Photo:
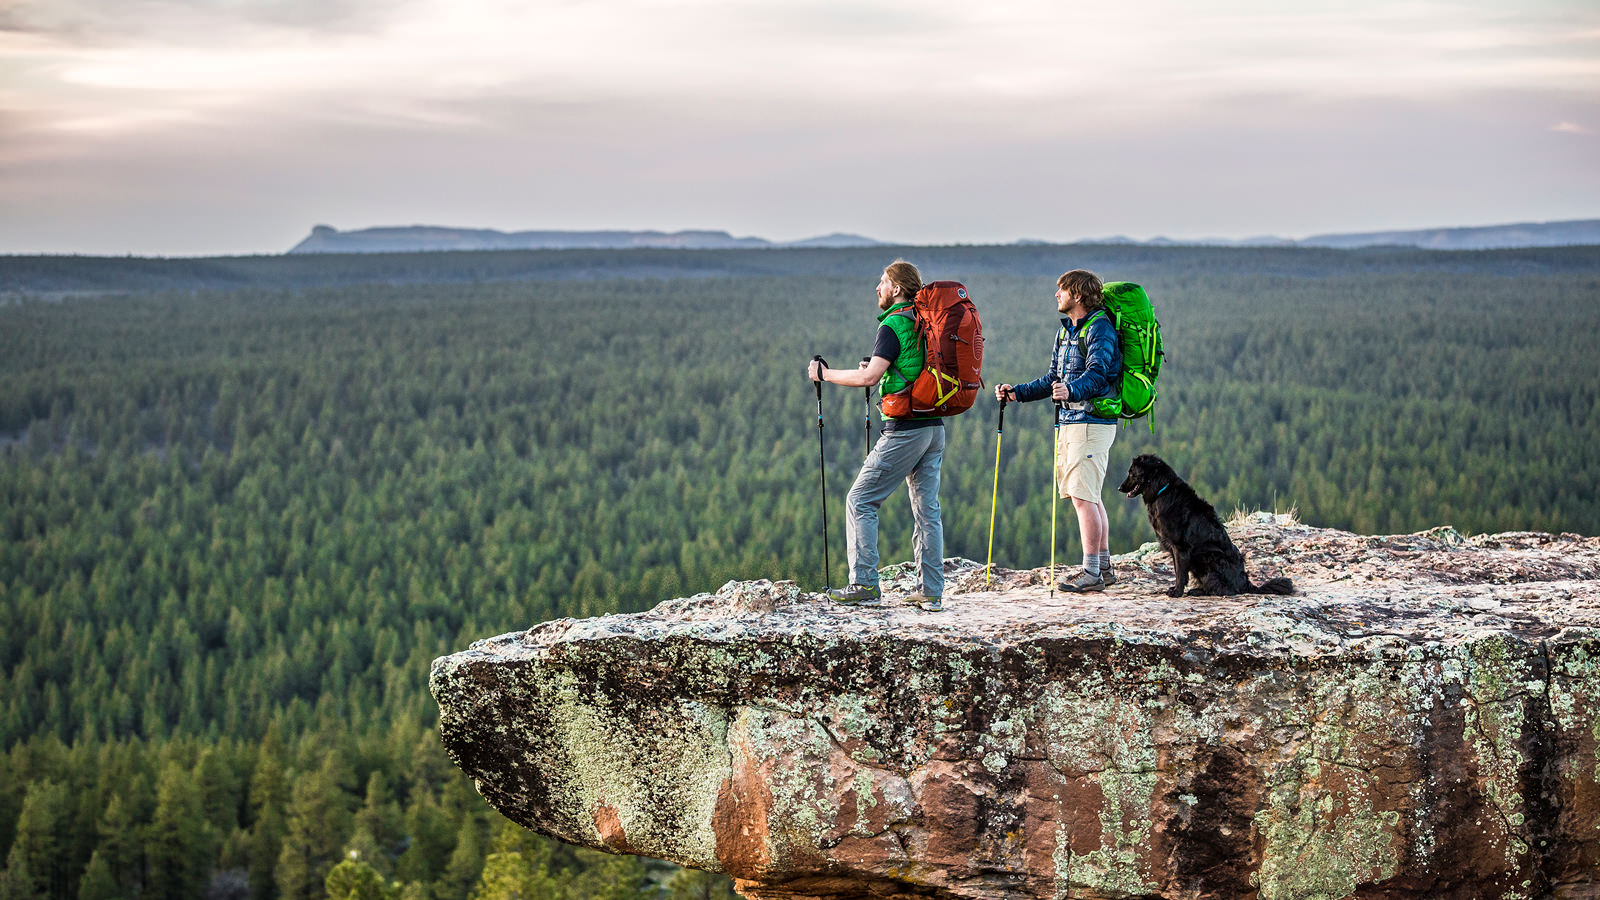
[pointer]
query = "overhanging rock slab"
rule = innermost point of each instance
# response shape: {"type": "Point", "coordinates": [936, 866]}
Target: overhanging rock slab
{"type": "Point", "coordinates": [1422, 720]}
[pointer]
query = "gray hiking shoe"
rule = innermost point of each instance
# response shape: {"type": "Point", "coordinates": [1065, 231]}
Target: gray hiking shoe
{"type": "Point", "coordinates": [855, 595]}
{"type": "Point", "coordinates": [929, 604]}
{"type": "Point", "coordinates": [1108, 575]}
{"type": "Point", "coordinates": [1082, 584]}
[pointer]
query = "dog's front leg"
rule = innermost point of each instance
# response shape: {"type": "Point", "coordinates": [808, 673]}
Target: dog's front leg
{"type": "Point", "coordinates": [1180, 572]}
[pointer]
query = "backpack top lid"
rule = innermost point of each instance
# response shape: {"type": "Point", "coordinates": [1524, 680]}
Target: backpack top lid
{"type": "Point", "coordinates": [1127, 297]}
{"type": "Point", "coordinates": [942, 294]}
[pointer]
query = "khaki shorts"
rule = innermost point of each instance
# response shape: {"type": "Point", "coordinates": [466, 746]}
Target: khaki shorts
{"type": "Point", "coordinates": [1082, 452]}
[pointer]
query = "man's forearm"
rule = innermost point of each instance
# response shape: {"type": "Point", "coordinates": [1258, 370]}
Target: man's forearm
{"type": "Point", "coordinates": [1037, 389]}
{"type": "Point", "coordinates": [865, 376]}
{"type": "Point", "coordinates": [850, 377]}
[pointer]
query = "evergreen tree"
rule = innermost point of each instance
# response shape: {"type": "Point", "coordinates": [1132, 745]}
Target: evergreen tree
{"type": "Point", "coordinates": [466, 863]}
{"type": "Point", "coordinates": [219, 788]}
{"type": "Point", "coordinates": [36, 865]}
{"type": "Point", "coordinates": [122, 845]}
{"type": "Point", "coordinates": [317, 822]}
{"type": "Point", "coordinates": [361, 846]}
{"type": "Point", "coordinates": [268, 797]}
{"type": "Point", "coordinates": [519, 867]}
{"type": "Point", "coordinates": [178, 845]}
{"type": "Point", "coordinates": [353, 879]}
{"type": "Point", "coordinates": [380, 816]}
{"type": "Point", "coordinates": [608, 877]}
{"type": "Point", "coordinates": [98, 883]}
{"type": "Point", "coordinates": [429, 829]}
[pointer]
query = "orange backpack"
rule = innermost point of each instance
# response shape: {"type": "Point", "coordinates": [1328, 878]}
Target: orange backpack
{"type": "Point", "coordinates": [952, 370]}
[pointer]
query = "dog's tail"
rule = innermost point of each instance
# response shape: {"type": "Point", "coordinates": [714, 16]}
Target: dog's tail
{"type": "Point", "coordinates": [1273, 586]}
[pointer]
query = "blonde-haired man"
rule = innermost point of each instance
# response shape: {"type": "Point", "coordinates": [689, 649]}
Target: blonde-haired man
{"type": "Point", "coordinates": [1083, 440]}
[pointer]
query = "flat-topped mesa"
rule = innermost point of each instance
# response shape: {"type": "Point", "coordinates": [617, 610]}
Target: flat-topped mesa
{"type": "Point", "coordinates": [1421, 720]}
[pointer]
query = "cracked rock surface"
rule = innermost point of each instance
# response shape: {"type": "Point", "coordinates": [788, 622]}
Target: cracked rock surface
{"type": "Point", "coordinates": [1421, 720]}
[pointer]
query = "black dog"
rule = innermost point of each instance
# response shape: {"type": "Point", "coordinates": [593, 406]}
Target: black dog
{"type": "Point", "coordinates": [1189, 529]}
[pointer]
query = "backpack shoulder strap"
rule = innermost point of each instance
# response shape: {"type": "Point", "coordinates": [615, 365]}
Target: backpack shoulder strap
{"type": "Point", "coordinates": [1083, 333]}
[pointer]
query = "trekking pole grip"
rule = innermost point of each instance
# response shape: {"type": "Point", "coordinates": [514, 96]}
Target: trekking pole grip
{"type": "Point", "coordinates": [818, 358]}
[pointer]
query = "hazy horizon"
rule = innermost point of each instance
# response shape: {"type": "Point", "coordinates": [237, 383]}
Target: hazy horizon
{"type": "Point", "coordinates": [198, 127]}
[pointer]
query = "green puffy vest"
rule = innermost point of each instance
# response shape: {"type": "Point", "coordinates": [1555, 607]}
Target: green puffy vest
{"type": "Point", "coordinates": [905, 368]}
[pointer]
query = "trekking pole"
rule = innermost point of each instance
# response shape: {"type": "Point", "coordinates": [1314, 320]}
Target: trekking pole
{"type": "Point", "coordinates": [1055, 460]}
{"type": "Point", "coordinates": [994, 500]}
{"type": "Point", "coordinates": [822, 459]}
{"type": "Point", "coordinates": [866, 405]}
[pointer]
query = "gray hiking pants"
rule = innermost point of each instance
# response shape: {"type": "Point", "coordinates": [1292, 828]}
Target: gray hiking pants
{"type": "Point", "coordinates": [911, 456]}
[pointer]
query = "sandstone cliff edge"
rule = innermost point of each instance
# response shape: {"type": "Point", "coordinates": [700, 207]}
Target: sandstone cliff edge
{"type": "Point", "coordinates": [1421, 720]}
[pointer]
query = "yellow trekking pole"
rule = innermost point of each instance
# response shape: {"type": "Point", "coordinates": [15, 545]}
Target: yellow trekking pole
{"type": "Point", "coordinates": [1055, 461]}
{"type": "Point", "coordinates": [994, 500]}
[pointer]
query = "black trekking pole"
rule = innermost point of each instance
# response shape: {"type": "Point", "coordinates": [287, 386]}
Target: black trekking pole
{"type": "Point", "coordinates": [822, 459]}
{"type": "Point", "coordinates": [866, 405]}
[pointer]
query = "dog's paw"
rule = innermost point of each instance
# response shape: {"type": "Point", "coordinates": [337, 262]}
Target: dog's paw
{"type": "Point", "coordinates": [1175, 592]}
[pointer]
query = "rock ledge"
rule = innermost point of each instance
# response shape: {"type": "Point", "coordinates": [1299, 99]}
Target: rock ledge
{"type": "Point", "coordinates": [1422, 720]}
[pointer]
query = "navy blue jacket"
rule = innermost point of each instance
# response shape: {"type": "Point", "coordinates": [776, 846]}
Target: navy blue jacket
{"type": "Point", "coordinates": [1098, 376]}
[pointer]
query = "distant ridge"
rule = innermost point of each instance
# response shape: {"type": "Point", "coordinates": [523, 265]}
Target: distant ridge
{"type": "Point", "coordinates": [1576, 232]}
{"type": "Point", "coordinates": [411, 238]}
{"type": "Point", "coordinates": [1488, 237]}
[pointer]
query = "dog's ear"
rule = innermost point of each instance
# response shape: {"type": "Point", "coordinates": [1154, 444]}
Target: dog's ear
{"type": "Point", "coordinates": [1156, 473]}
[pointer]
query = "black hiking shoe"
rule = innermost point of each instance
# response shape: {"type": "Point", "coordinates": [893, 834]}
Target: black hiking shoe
{"type": "Point", "coordinates": [855, 595]}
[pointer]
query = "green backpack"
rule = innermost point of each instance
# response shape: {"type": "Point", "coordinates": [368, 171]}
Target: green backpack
{"type": "Point", "coordinates": [1140, 334]}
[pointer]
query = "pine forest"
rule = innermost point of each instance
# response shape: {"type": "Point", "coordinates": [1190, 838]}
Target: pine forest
{"type": "Point", "coordinates": [244, 503]}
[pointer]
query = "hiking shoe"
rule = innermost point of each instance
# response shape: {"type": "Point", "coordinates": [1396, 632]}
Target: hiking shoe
{"type": "Point", "coordinates": [855, 595]}
{"type": "Point", "coordinates": [1083, 584]}
{"type": "Point", "coordinates": [1108, 575]}
{"type": "Point", "coordinates": [929, 604]}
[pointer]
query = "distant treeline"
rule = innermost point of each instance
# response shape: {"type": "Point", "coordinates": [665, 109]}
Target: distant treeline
{"type": "Point", "coordinates": [236, 526]}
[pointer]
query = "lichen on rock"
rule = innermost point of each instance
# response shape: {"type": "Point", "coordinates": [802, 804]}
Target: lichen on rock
{"type": "Point", "coordinates": [1421, 720]}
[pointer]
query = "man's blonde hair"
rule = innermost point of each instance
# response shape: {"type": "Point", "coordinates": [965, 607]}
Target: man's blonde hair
{"type": "Point", "coordinates": [906, 276]}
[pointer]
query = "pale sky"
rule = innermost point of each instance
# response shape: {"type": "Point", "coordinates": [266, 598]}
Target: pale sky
{"type": "Point", "coordinates": [183, 127]}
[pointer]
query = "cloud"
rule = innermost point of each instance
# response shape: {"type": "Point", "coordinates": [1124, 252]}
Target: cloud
{"type": "Point", "coordinates": [667, 113]}
{"type": "Point", "coordinates": [1156, 54]}
{"type": "Point", "coordinates": [1570, 128]}
{"type": "Point", "coordinates": [90, 23]}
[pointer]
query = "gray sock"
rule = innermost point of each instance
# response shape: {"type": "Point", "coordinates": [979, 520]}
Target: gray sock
{"type": "Point", "coordinates": [1091, 563]}
{"type": "Point", "coordinates": [1105, 560]}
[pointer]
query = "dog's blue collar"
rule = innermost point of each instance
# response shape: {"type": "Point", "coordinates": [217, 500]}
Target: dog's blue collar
{"type": "Point", "coordinates": [1164, 487]}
